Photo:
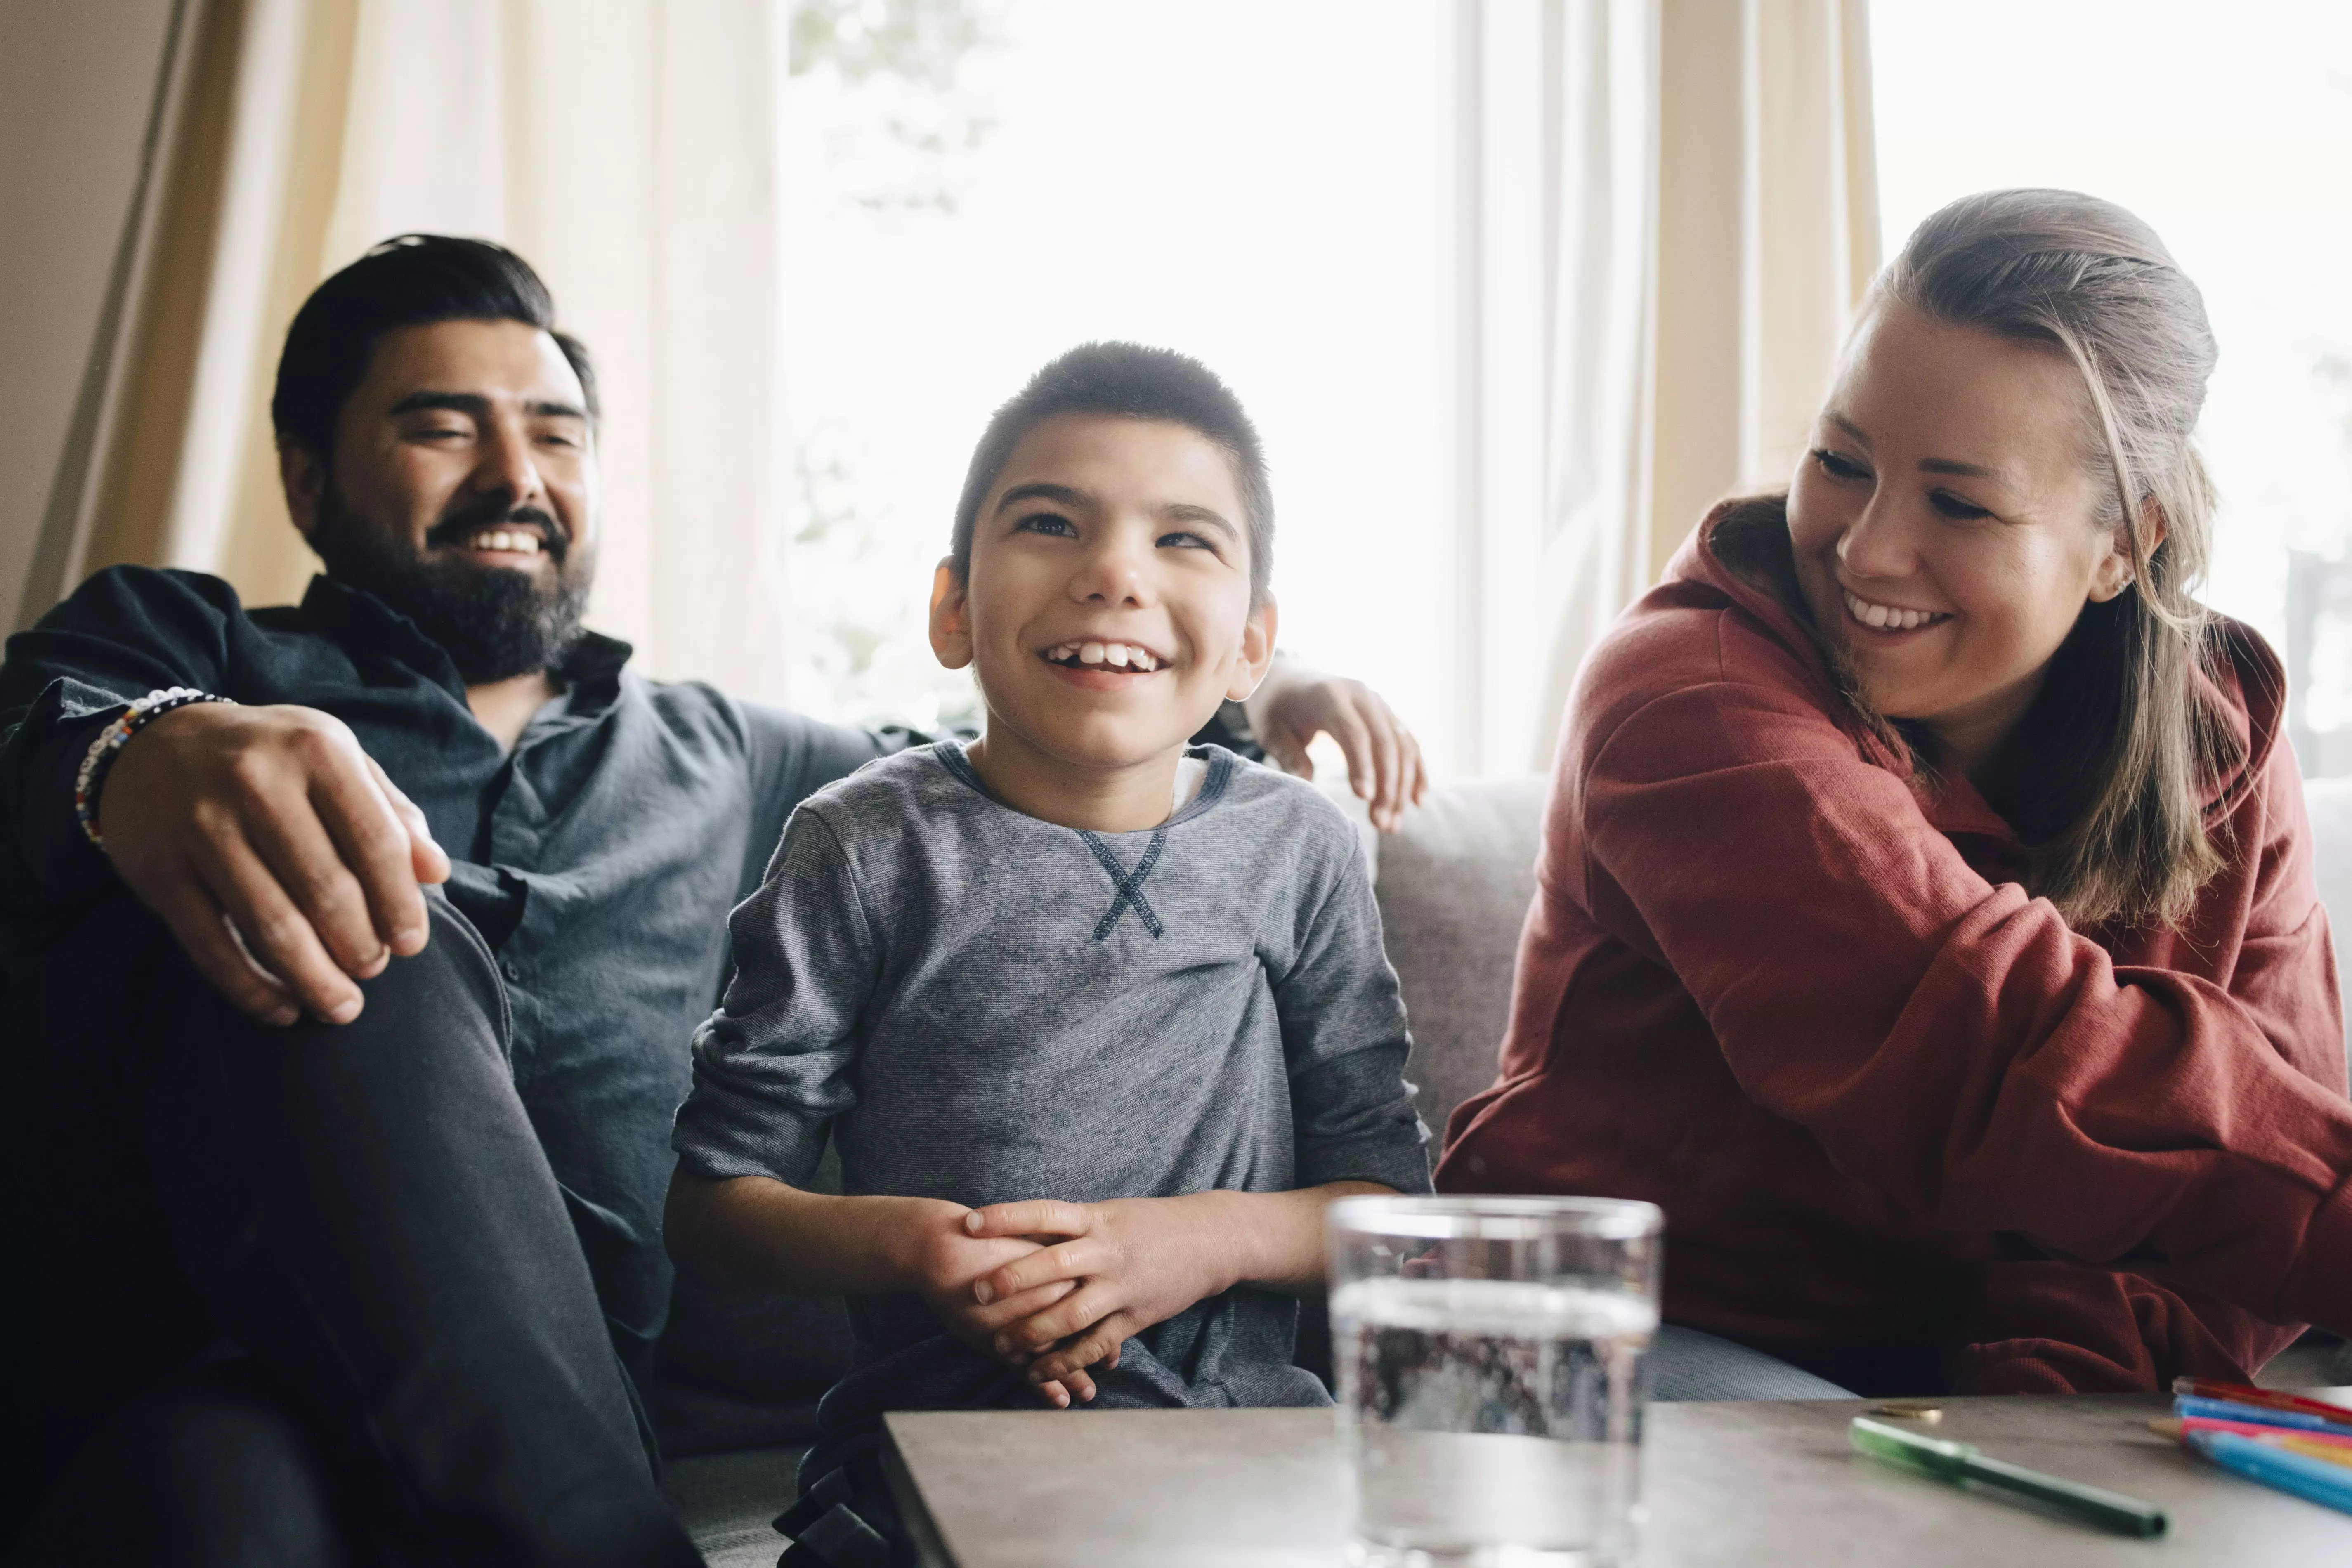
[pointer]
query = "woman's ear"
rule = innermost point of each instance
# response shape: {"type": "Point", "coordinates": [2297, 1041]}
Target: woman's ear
{"type": "Point", "coordinates": [2116, 571]}
{"type": "Point", "coordinates": [1258, 651]}
{"type": "Point", "coordinates": [951, 616]}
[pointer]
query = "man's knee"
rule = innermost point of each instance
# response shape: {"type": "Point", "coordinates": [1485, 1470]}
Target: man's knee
{"type": "Point", "coordinates": [122, 1046]}
{"type": "Point", "coordinates": [447, 994]}
{"type": "Point", "coordinates": [208, 1468]}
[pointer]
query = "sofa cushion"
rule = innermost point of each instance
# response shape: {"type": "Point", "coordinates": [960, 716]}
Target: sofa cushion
{"type": "Point", "coordinates": [1453, 888]}
{"type": "Point", "coordinates": [729, 1503]}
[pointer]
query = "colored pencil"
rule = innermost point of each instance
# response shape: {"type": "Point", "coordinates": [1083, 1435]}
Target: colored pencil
{"type": "Point", "coordinates": [2315, 1447]}
{"type": "Point", "coordinates": [2240, 1394]}
{"type": "Point", "coordinates": [2176, 1426]}
{"type": "Point", "coordinates": [2257, 1415]}
{"type": "Point", "coordinates": [2314, 1480]}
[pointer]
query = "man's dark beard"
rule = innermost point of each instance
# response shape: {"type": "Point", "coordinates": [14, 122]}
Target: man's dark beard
{"type": "Point", "coordinates": [493, 622]}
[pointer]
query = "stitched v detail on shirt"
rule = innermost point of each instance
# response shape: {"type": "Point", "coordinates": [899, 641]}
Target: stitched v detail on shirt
{"type": "Point", "coordinates": [1130, 883]}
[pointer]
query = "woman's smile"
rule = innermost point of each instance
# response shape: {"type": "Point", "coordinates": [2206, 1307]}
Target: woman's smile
{"type": "Point", "coordinates": [1888, 620]}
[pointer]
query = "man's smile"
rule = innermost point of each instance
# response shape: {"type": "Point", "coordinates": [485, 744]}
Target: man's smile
{"type": "Point", "coordinates": [504, 542]}
{"type": "Point", "coordinates": [516, 539]}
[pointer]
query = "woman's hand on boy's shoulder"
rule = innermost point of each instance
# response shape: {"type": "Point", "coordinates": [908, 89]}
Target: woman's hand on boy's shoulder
{"type": "Point", "coordinates": [1297, 703]}
{"type": "Point", "coordinates": [943, 1261]}
{"type": "Point", "coordinates": [1118, 1268]}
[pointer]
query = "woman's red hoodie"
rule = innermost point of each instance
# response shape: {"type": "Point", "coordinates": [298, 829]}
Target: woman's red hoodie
{"type": "Point", "coordinates": [1888, 1101]}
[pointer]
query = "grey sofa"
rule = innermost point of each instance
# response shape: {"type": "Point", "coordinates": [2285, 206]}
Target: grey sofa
{"type": "Point", "coordinates": [741, 1375]}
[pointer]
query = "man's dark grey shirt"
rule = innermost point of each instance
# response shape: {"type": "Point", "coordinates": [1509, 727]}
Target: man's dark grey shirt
{"type": "Point", "coordinates": [599, 858]}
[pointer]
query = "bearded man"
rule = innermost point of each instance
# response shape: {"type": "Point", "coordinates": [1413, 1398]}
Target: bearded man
{"type": "Point", "coordinates": [351, 953]}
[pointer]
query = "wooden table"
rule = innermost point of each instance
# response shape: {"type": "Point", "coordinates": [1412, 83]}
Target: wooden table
{"type": "Point", "coordinates": [1760, 1483]}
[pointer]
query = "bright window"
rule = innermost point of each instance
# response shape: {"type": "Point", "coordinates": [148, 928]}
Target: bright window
{"type": "Point", "coordinates": [977, 185]}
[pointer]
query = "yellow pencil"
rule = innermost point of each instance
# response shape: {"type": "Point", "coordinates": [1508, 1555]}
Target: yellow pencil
{"type": "Point", "coordinates": [2334, 1453]}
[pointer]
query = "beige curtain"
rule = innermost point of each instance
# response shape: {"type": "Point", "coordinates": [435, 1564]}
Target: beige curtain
{"type": "Point", "coordinates": [626, 147]}
{"type": "Point", "coordinates": [1669, 213]}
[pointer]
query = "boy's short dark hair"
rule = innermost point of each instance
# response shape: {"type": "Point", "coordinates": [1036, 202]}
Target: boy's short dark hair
{"type": "Point", "coordinates": [1132, 381]}
{"type": "Point", "coordinates": [410, 280]}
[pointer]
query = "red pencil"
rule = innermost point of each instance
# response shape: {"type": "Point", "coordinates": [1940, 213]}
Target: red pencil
{"type": "Point", "coordinates": [2271, 1398]}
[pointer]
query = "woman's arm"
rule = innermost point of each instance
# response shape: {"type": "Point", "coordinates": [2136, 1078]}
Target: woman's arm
{"type": "Point", "coordinates": [2049, 1326]}
{"type": "Point", "coordinates": [1951, 1043]}
{"type": "Point", "coordinates": [1297, 703]}
{"type": "Point", "coordinates": [2045, 1326]}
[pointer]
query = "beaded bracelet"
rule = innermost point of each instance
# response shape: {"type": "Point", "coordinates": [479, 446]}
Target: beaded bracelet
{"type": "Point", "coordinates": [99, 760]}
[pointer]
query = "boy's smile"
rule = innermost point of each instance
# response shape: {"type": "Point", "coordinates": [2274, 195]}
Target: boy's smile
{"type": "Point", "coordinates": [1104, 665]}
{"type": "Point", "coordinates": [1107, 614]}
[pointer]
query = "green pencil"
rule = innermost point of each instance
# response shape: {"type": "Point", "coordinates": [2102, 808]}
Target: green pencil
{"type": "Point", "coordinates": [1961, 1464]}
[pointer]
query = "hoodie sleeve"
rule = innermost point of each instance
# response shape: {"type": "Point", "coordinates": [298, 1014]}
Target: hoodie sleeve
{"type": "Point", "coordinates": [1952, 1043]}
{"type": "Point", "coordinates": [2044, 1326]}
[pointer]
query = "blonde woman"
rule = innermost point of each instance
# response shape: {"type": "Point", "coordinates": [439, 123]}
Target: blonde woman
{"type": "Point", "coordinates": [1927, 916]}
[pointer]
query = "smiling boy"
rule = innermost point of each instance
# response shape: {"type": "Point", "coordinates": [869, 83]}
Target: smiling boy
{"type": "Point", "coordinates": [1107, 1022]}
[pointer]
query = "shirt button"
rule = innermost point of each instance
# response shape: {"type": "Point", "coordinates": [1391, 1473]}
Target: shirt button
{"type": "Point", "coordinates": [511, 970]}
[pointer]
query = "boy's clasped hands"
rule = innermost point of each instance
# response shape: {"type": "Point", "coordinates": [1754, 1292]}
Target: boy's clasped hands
{"type": "Point", "coordinates": [1057, 1287]}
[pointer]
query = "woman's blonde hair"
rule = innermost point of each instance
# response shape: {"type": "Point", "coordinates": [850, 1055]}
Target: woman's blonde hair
{"type": "Point", "coordinates": [2106, 778]}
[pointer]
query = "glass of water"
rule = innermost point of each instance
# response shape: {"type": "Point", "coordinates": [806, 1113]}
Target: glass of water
{"type": "Point", "coordinates": [1492, 1356]}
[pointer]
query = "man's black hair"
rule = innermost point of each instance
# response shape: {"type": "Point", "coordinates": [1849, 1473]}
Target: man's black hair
{"type": "Point", "coordinates": [410, 280]}
{"type": "Point", "coordinates": [1132, 381]}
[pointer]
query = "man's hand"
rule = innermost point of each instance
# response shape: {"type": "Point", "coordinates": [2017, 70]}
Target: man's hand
{"type": "Point", "coordinates": [1134, 1262]}
{"type": "Point", "coordinates": [946, 1260]}
{"type": "Point", "coordinates": [280, 855]}
{"type": "Point", "coordinates": [1296, 702]}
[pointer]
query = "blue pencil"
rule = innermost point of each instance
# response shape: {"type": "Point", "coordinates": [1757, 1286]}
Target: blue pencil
{"type": "Point", "coordinates": [2315, 1480]}
{"type": "Point", "coordinates": [2259, 1414]}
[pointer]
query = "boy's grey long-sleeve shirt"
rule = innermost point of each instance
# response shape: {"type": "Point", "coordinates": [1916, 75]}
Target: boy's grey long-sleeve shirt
{"type": "Point", "coordinates": [983, 1006]}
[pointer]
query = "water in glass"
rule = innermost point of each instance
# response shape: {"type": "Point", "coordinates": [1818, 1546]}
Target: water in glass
{"type": "Point", "coordinates": [1492, 1423]}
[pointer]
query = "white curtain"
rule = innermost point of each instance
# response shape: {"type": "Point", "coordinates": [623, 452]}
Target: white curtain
{"type": "Point", "coordinates": [1670, 212]}
{"type": "Point", "coordinates": [628, 147]}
